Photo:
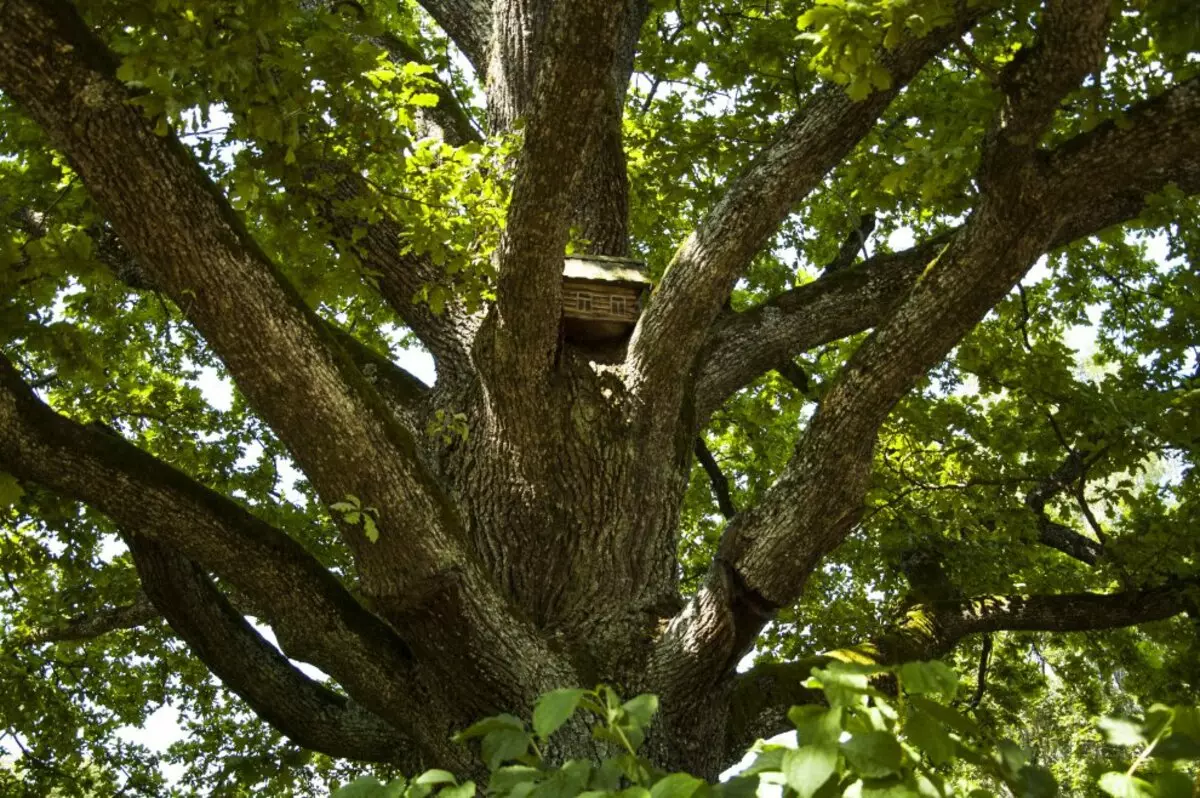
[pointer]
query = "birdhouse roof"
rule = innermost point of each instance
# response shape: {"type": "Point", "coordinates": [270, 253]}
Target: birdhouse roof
{"type": "Point", "coordinates": [606, 269]}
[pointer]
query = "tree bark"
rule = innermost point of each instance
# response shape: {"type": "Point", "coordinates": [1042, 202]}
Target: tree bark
{"type": "Point", "coordinates": [531, 541]}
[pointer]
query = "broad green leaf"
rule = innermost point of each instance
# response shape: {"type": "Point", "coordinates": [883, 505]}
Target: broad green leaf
{"type": "Point", "coordinates": [553, 709]}
{"type": "Point", "coordinates": [808, 767]}
{"type": "Point", "coordinates": [875, 754]}
{"type": "Point", "coordinates": [1121, 785]}
{"type": "Point", "coordinates": [676, 785]}
{"type": "Point", "coordinates": [929, 677]}
{"type": "Point", "coordinates": [435, 777]}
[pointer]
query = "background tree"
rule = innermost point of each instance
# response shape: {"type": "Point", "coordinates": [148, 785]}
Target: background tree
{"type": "Point", "coordinates": [836, 423]}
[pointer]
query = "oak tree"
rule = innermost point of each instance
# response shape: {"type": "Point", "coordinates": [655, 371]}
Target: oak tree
{"type": "Point", "coordinates": [849, 416]}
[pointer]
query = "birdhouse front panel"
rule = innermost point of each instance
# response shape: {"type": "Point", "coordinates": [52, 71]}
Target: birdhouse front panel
{"type": "Point", "coordinates": [600, 301]}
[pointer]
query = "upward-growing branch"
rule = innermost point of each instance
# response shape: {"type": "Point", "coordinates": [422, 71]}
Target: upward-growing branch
{"type": "Point", "coordinates": [768, 551]}
{"type": "Point", "coordinates": [704, 268]}
{"type": "Point", "coordinates": [419, 572]}
{"type": "Point", "coordinates": [570, 83]}
{"type": "Point", "coordinates": [194, 248]}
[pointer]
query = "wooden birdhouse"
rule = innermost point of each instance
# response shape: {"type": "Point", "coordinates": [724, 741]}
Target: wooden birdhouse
{"type": "Point", "coordinates": [602, 297]}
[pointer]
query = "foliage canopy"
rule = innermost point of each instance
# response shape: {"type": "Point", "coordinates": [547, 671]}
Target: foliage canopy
{"type": "Point", "coordinates": [917, 380]}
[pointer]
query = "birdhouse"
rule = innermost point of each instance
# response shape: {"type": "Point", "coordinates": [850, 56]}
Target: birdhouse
{"type": "Point", "coordinates": [602, 297]}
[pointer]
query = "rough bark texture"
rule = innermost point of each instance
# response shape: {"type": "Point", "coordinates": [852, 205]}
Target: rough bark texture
{"type": "Point", "coordinates": [540, 551]}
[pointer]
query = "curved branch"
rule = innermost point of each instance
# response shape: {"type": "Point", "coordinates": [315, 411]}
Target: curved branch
{"type": "Point", "coordinates": [468, 23]}
{"type": "Point", "coordinates": [744, 345]}
{"type": "Point", "coordinates": [768, 551]}
{"type": "Point", "coordinates": [929, 631]}
{"type": "Point", "coordinates": [317, 620]}
{"type": "Point", "coordinates": [189, 240]}
{"type": "Point", "coordinates": [309, 713]}
{"type": "Point", "coordinates": [401, 275]}
{"type": "Point", "coordinates": [704, 268]}
{"type": "Point", "coordinates": [1152, 144]}
{"type": "Point", "coordinates": [763, 694]}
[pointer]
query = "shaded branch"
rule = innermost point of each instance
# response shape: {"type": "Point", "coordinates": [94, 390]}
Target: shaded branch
{"type": "Point", "coordinates": [718, 480]}
{"type": "Point", "coordinates": [767, 552]}
{"type": "Point", "coordinates": [447, 120]}
{"type": "Point", "coordinates": [985, 655]}
{"type": "Point", "coordinates": [1071, 41]}
{"type": "Point", "coordinates": [314, 616]}
{"type": "Point", "coordinates": [1051, 533]}
{"type": "Point", "coordinates": [929, 631]}
{"type": "Point", "coordinates": [380, 245]}
{"type": "Point", "coordinates": [310, 714]}
{"type": "Point", "coordinates": [744, 345]}
{"type": "Point", "coordinates": [854, 244]}
{"type": "Point", "coordinates": [89, 626]}
{"type": "Point", "coordinates": [468, 23]}
{"type": "Point", "coordinates": [761, 699]}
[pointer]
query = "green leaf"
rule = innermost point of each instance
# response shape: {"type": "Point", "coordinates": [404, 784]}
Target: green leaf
{"type": "Point", "coordinates": [553, 709]}
{"type": "Point", "coordinates": [488, 725]}
{"type": "Point", "coordinates": [10, 490]}
{"type": "Point", "coordinates": [1122, 731]}
{"type": "Point", "coordinates": [423, 99]}
{"type": "Point", "coordinates": [370, 529]}
{"type": "Point", "coordinates": [888, 788]}
{"type": "Point", "coordinates": [874, 755]}
{"type": "Point", "coordinates": [952, 718]}
{"type": "Point", "coordinates": [1173, 785]}
{"type": "Point", "coordinates": [676, 785]}
{"type": "Point", "coordinates": [1177, 746]}
{"type": "Point", "coordinates": [808, 767]}
{"type": "Point", "coordinates": [1036, 782]}
{"type": "Point", "coordinates": [435, 777]}
{"type": "Point", "coordinates": [816, 724]}
{"type": "Point", "coordinates": [504, 745]}
{"type": "Point", "coordinates": [641, 709]}
{"type": "Point", "coordinates": [464, 790]}
{"type": "Point", "coordinates": [1121, 785]}
{"type": "Point", "coordinates": [930, 735]}
{"type": "Point", "coordinates": [926, 678]}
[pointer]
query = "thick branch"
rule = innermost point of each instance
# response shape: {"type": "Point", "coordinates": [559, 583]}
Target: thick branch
{"type": "Point", "coordinates": [1155, 142]}
{"type": "Point", "coordinates": [448, 120]}
{"type": "Point", "coordinates": [185, 235]}
{"type": "Point", "coordinates": [468, 23]}
{"type": "Point", "coordinates": [745, 345]}
{"type": "Point", "coordinates": [601, 214]}
{"type": "Point", "coordinates": [400, 275]}
{"type": "Point", "coordinates": [768, 551]}
{"type": "Point", "coordinates": [704, 268]}
{"type": "Point", "coordinates": [309, 713]}
{"type": "Point", "coordinates": [763, 694]}
{"type": "Point", "coordinates": [929, 631]}
{"type": "Point", "coordinates": [761, 699]}
{"type": "Point", "coordinates": [575, 60]}
{"type": "Point", "coordinates": [1070, 45]}
{"type": "Point", "coordinates": [315, 618]}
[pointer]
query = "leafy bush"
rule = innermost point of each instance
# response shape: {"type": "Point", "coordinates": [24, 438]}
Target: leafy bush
{"type": "Point", "coordinates": [882, 733]}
